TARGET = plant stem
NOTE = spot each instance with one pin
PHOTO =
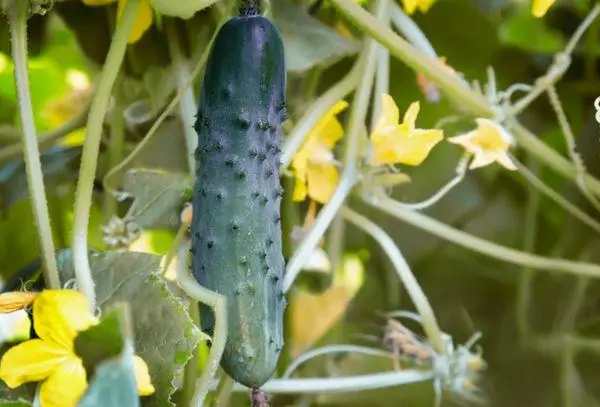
(115, 151)
(17, 10)
(366, 72)
(344, 384)
(91, 146)
(218, 303)
(413, 288)
(478, 244)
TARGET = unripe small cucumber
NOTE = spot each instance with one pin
(236, 225)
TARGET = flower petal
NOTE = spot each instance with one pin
(31, 361)
(410, 6)
(328, 129)
(504, 160)
(322, 181)
(299, 185)
(425, 5)
(481, 159)
(59, 315)
(410, 117)
(142, 377)
(540, 7)
(16, 300)
(389, 113)
(143, 19)
(65, 386)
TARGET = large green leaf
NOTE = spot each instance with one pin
(308, 42)
(158, 197)
(165, 335)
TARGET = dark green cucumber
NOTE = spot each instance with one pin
(236, 226)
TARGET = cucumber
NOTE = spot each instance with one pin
(236, 222)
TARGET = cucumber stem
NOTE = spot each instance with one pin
(249, 7)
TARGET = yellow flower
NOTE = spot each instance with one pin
(143, 20)
(395, 143)
(58, 316)
(411, 5)
(540, 7)
(16, 300)
(314, 164)
(489, 143)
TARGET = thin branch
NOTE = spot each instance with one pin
(478, 244)
(17, 10)
(91, 147)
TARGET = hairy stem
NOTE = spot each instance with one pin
(91, 146)
(478, 244)
(413, 288)
(349, 177)
(17, 10)
(344, 384)
(115, 151)
(218, 303)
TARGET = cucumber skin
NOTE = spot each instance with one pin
(236, 224)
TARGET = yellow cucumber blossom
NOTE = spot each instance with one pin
(489, 143)
(540, 7)
(401, 143)
(143, 19)
(314, 165)
(58, 316)
(411, 5)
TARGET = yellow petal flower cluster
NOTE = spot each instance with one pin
(314, 165)
(489, 143)
(58, 316)
(143, 20)
(401, 143)
(538, 7)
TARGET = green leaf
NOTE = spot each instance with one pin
(531, 34)
(8, 403)
(102, 341)
(20, 397)
(158, 197)
(308, 42)
(113, 383)
(165, 335)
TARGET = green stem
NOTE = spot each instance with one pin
(457, 89)
(365, 71)
(413, 288)
(218, 303)
(115, 151)
(478, 244)
(538, 184)
(526, 277)
(17, 10)
(91, 146)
